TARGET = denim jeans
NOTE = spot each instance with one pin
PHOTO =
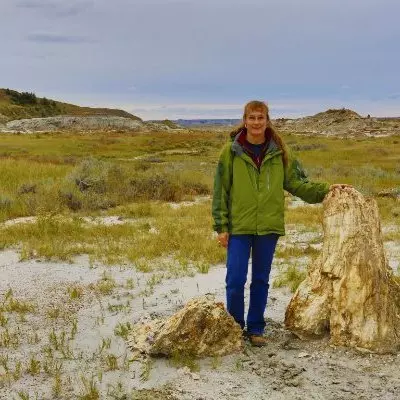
(262, 248)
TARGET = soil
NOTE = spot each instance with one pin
(287, 368)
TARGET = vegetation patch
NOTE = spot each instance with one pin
(290, 277)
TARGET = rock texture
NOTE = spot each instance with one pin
(95, 122)
(340, 122)
(350, 291)
(201, 328)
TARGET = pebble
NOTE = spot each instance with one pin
(184, 371)
(294, 382)
(303, 355)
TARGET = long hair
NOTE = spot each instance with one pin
(256, 105)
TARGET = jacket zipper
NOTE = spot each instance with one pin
(258, 170)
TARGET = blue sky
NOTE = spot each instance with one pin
(205, 58)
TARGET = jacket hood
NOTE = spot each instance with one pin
(237, 148)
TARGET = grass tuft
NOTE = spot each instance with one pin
(291, 277)
(180, 359)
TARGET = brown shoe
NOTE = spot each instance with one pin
(258, 340)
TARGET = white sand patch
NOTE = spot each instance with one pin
(197, 200)
(275, 372)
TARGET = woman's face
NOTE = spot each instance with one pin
(256, 123)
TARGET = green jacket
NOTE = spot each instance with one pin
(251, 201)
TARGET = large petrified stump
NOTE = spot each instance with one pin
(202, 328)
(350, 292)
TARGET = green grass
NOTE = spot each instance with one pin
(71, 147)
(370, 164)
(180, 359)
(89, 389)
(10, 304)
(59, 237)
(303, 215)
(53, 177)
(295, 251)
(291, 277)
(91, 186)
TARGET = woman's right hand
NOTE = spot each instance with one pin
(223, 239)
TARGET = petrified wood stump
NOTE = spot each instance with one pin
(350, 292)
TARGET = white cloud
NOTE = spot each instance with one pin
(278, 109)
(51, 37)
(58, 8)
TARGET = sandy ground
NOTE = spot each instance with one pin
(286, 369)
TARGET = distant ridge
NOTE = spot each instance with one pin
(332, 122)
(340, 122)
(16, 105)
(207, 122)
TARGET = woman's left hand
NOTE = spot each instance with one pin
(339, 186)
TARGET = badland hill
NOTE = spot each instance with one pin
(23, 105)
(25, 112)
(333, 122)
(340, 122)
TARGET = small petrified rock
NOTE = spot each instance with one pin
(202, 328)
(350, 291)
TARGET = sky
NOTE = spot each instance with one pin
(205, 58)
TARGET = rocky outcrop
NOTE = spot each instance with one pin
(340, 122)
(95, 122)
(201, 328)
(350, 292)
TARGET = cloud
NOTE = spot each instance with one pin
(60, 9)
(279, 108)
(184, 110)
(48, 37)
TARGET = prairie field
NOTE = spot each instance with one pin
(117, 215)
(68, 185)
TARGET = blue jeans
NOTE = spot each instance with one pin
(262, 249)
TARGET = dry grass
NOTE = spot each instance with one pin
(291, 276)
(49, 175)
(151, 238)
(52, 177)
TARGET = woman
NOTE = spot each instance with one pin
(253, 171)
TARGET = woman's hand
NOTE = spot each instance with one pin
(339, 186)
(223, 239)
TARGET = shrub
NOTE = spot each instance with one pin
(5, 203)
(96, 175)
(310, 146)
(155, 187)
(196, 188)
(27, 188)
(22, 98)
(70, 200)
